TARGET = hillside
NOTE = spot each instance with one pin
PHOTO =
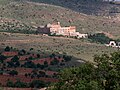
(36, 14)
(12, 25)
(90, 7)
(29, 60)
(80, 49)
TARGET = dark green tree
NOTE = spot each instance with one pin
(67, 58)
(104, 75)
(54, 62)
(38, 55)
(42, 73)
(45, 64)
(9, 84)
(99, 38)
(31, 49)
(37, 84)
(22, 52)
(13, 73)
(15, 58)
(40, 66)
(20, 84)
(7, 48)
(2, 58)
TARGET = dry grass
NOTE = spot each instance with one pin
(77, 48)
(36, 14)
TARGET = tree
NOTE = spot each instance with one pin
(99, 38)
(29, 64)
(38, 55)
(26, 75)
(7, 48)
(104, 75)
(22, 52)
(31, 49)
(10, 64)
(42, 73)
(45, 64)
(15, 58)
(108, 70)
(54, 62)
(40, 66)
(67, 58)
(9, 84)
(13, 72)
(20, 84)
(2, 58)
(52, 55)
(30, 58)
(37, 84)
(17, 64)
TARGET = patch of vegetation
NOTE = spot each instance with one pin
(105, 75)
(99, 38)
(20, 84)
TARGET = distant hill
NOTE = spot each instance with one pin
(69, 12)
(91, 7)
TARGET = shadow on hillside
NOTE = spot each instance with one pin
(90, 7)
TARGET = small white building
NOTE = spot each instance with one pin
(113, 44)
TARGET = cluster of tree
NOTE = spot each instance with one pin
(22, 52)
(54, 62)
(104, 75)
(99, 38)
(13, 73)
(14, 62)
(67, 58)
(7, 48)
(38, 74)
(20, 84)
(2, 58)
(30, 64)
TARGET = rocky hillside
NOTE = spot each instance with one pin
(36, 13)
